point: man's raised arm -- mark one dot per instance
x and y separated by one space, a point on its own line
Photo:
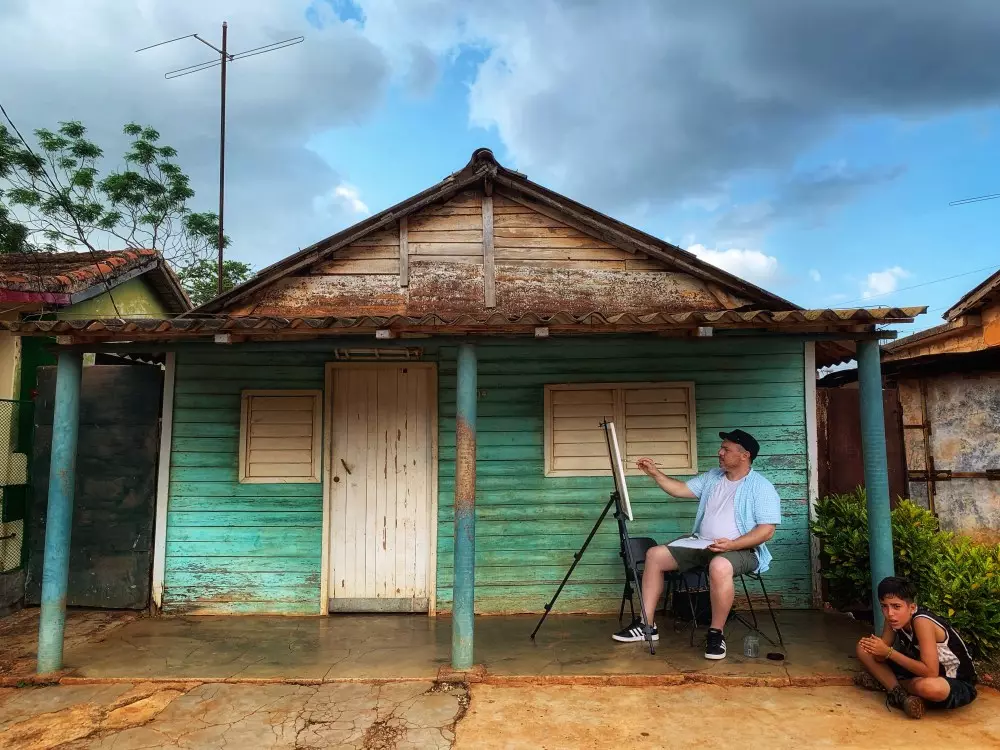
673 487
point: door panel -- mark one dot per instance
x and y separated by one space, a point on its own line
381 463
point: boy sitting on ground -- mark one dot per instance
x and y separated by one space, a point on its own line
920 660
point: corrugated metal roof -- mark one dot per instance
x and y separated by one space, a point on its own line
184 327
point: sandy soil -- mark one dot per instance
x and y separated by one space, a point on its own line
707 716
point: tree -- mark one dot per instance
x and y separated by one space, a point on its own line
54 197
201 279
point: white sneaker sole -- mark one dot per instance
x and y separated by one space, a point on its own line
716 657
630 639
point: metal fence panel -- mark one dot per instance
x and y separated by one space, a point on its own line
16 426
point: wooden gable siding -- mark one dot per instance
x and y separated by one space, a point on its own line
528 526
542 264
232 547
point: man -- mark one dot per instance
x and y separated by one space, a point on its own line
738 510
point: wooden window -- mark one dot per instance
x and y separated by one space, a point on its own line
280 436
656 420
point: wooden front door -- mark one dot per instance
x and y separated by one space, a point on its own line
381 472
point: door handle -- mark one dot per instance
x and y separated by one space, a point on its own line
344 464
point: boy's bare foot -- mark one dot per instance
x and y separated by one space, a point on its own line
911 705
868 682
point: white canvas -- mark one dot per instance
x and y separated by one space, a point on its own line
618 468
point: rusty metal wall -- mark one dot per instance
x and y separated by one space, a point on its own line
963 412
841 468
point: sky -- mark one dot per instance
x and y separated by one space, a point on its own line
812 148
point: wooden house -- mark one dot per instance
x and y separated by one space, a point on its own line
445 365
948 379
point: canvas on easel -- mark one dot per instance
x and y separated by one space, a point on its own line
618 468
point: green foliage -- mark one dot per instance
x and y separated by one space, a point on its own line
955 577
56 196
200 280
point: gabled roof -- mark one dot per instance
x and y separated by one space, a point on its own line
974 299
65 279
484 168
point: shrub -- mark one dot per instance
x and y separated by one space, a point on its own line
955 577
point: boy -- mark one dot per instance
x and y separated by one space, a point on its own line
920 660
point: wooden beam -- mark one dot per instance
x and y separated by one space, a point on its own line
404 252
489 256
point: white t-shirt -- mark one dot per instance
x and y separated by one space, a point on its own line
719 521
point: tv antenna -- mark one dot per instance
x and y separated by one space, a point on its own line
224 59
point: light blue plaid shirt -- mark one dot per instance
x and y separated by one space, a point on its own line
756 502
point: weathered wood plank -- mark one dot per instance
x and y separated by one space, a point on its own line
464 260
404 252
538 254
367 267
435 249
196 519
180 564
489 268
358 252
174 604
565 265
472 235
437 223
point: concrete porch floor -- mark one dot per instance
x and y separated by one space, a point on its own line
569 648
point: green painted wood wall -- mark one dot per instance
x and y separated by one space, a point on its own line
528 526
231 547
246 548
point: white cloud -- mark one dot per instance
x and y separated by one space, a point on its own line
752 265
815 275
883 282
348 196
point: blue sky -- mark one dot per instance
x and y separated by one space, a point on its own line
900 227
812 148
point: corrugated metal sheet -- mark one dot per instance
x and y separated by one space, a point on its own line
179 327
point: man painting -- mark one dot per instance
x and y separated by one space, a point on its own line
738 509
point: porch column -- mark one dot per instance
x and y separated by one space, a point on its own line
876 472
59 517
463 604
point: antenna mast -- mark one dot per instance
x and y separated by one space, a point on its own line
224 59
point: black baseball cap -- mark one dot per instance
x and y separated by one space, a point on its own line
743 439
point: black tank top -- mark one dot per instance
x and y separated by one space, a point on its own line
953 656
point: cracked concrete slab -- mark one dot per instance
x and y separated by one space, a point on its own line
127 716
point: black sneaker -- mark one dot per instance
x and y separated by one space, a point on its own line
633 633
715 648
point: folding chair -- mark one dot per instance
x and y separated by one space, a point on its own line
681 582
754 627
640 545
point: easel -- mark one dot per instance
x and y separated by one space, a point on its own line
623 537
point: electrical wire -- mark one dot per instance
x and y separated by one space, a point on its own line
918 286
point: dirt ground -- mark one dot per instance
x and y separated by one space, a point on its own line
417 714
707 716
125 716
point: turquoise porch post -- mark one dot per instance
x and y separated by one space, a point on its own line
876 471
464 597
59 517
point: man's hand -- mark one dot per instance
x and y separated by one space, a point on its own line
722 545
876 647
647 466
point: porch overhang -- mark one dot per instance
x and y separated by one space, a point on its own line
849 322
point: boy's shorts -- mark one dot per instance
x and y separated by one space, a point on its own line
743 560
962 693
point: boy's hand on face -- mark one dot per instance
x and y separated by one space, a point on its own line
875 646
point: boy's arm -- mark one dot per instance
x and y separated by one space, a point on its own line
880 647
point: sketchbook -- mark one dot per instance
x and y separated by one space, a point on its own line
692 542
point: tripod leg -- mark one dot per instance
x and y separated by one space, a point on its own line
576 559
630 561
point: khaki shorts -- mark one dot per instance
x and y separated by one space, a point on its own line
743 560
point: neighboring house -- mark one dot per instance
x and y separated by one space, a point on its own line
948 378
50 286
320 416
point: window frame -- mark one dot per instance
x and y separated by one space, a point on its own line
619 389
246 396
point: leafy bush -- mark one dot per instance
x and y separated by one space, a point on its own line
955 577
